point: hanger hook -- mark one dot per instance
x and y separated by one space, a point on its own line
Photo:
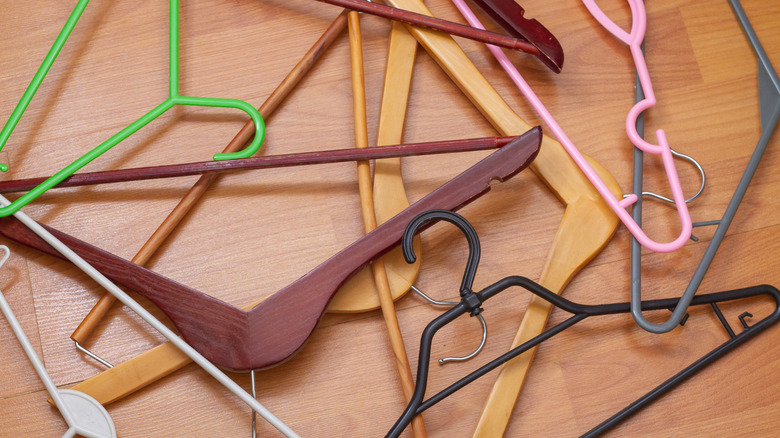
444 360
457 220
701 172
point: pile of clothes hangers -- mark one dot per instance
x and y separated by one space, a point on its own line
219 336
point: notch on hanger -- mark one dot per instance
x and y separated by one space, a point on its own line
267 334
509 15
471 303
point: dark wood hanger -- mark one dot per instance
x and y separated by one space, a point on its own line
277 328
262 162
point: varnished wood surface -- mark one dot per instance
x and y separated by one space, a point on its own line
254 234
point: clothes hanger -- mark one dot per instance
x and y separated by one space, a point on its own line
471 303
265 162
357 294
634 41
191 198
497 410
509 15
82 413
174 98
615 203
494 418
587 224
389 200
369 216
32 228
267 334
769 97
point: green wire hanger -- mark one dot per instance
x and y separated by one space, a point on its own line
173 99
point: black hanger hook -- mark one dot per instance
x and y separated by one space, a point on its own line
459 221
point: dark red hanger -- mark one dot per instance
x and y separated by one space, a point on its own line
277 328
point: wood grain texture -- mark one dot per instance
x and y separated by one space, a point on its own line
255 233
367 200
278 327
247 132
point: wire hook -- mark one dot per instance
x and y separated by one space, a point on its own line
444 360
701 172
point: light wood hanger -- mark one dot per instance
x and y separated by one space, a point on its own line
367 200
586 227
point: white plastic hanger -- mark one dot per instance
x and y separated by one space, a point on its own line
83 414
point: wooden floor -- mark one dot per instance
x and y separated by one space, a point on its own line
256 232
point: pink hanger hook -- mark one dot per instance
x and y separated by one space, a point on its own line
634 40
618 206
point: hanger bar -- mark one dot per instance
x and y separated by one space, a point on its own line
509 15
193 195
436 24
277 328
266 162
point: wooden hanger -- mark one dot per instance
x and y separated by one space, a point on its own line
191 198
278 327
357 294
367 200
585 229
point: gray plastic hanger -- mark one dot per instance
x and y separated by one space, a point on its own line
769 104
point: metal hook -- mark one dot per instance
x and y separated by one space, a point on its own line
93 355
457 220
701 172
444 360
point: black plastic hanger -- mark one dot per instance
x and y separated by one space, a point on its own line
471 303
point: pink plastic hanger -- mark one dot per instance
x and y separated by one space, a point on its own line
634 41
617 205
